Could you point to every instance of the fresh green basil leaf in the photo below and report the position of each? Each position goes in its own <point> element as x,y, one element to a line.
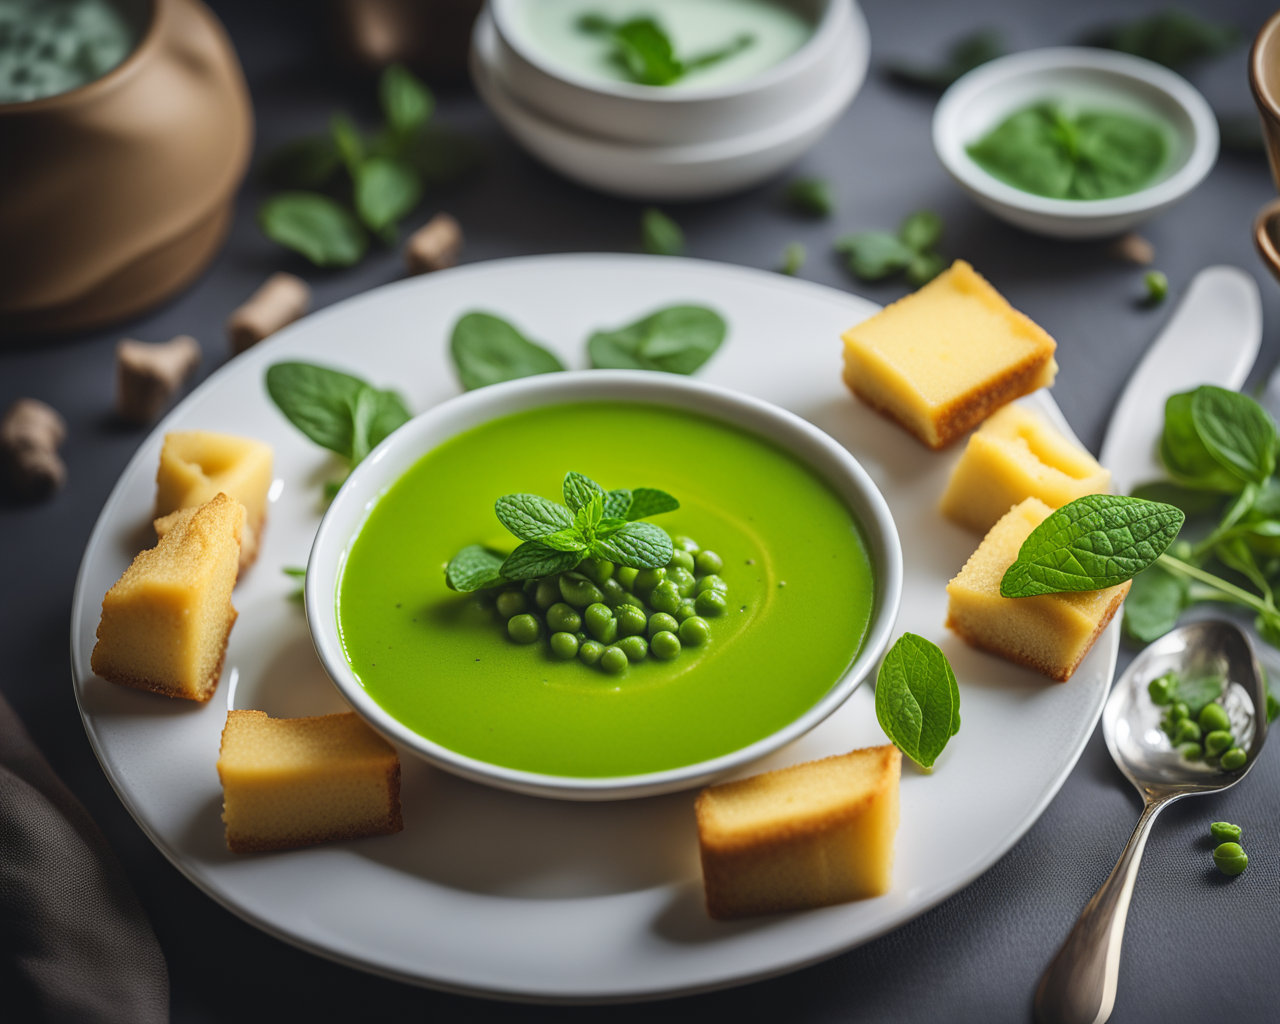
<point>965,55</point>
<point>1184,454</point>
<point>924,268</point>
<point>530,516</point>
<point>648,501</point>
<point>565,540</point>
<point>315,226</point>
<point>322,404</point>
<point>533,559</point>
<point>675,340</point>
<point>921,231</point>
<point>813,197</point>
<point>488,350</point>
<point>1154,603</point>
<point>1237,432</point>
<point>1094,542</point>
<point>918,699</point>
<point>639,545</point>
<point>306,163</point>
<point>386,190</point>
<point>349,142</point>
<point>793,257</point>
<point>1192,502</point>
<point>579,490</point>
<point>617,504</point>
<point>474,568</point>
<point>659,234</point>
<point>1173,38</point>
<point>875,254</point>
<point>406,102</point>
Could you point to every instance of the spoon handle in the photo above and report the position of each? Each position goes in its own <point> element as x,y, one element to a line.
<point>1080,985</point>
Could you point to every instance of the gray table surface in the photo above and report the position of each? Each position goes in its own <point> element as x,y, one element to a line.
<point>1195,939</point>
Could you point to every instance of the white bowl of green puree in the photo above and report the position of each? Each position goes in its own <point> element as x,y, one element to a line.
<point>1074,142</point>
<point>811,559</point>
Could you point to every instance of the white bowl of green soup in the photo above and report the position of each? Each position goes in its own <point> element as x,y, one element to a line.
<point>521,664</point>
<point>1074,142</point>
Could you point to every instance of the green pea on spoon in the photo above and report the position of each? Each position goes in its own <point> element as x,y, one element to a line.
<point>1080,985</point>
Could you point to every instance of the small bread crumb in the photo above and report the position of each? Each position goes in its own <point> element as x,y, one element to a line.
<point>282,299</point>
<point>434,246</point>
<point>147,376</point>
<point>1134,249</point>
<point>29,438</point>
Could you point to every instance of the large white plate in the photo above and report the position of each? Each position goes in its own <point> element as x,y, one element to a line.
<point>491,892</point>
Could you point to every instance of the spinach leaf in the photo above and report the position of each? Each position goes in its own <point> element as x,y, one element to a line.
<point>648,501</point>
<point>386,190</point>
<point>1175,38</point>
<point>659,234</point>
<point>314,225</point>
<point>334,409</point>
<point>488,350</point>
<point>1185,455</point>
<point>812,196</point>
<point>530,516</point>
<point>965,55</point>
<point>793,257</point>
<point>637,544</point>
<point>407,104</point>
<point>1094,542</point>
<point>677,340</point>
<point>1236,431</point>
<point>1154,603</point>
<point>918,699</point>
<point>474,568</point>
<point>533,559</point>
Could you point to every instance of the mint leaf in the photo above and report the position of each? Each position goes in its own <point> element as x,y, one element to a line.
<point>616,504</point>
<point>608,526</point>
<point>346,137</point>
<point>333,409</point>
<point>386,190</point>
<point>315,226</point>
<point>793,257</point>
<point>488,350</point>
<point>675,340</point>
<point>648,501</point>
<point>918,699</point>
<point>589,515</point>
<point>565,540</point>
<point>1155,601</point>
<point>579,490</point>
<point>530,516</point>
<point>406,102</point>
<point>645,51</point>
<point>875,254</point>
<point>921,231</point>
<point>639,545</point>
<point>1098,541</point>
<point>659,234</point>
<point>474,568</point>
<point>1236,431</point>
<point>811,196</point>
<point>533,559</point>
<point>1184,454</point>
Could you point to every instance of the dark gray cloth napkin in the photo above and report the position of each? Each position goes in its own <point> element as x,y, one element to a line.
<point>75,944</point>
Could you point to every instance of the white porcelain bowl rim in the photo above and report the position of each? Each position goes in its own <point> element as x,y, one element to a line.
<point>951,148</point>
<point>402,449</point>
<point>828,25</point>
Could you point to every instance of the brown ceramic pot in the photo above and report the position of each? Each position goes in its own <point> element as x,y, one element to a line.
<point>115,195</point>
<point>1264,80</point>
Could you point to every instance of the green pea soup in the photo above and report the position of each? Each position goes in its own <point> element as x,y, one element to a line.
<point>801,595</point>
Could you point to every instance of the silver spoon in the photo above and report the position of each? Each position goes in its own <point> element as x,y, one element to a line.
<point>1080,985</point>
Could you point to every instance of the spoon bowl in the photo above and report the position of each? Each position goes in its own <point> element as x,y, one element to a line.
<point>1079,986</point>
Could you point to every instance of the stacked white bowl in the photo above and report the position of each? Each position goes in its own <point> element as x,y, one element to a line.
<point>656,142</point>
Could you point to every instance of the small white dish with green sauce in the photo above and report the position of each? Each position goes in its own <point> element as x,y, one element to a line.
<point>1073,142</point>
<point>669,98</point>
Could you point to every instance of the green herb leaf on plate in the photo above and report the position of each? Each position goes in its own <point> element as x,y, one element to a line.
<point>793,257</point>
<point>488,350</point>
<point>579,490</point>
<point>645,51</point>
<point>874,255</point>
<point>637,544</point>
<point>406,102</point>
<point>1236,431</point>
<point>1094,542</point>
<point>676,340</point>
<point>300,574</point>
<point>659,234</point>
<point>1185,455</point>
<point>1192,501</point>
<point>314,225</point>
<point>918,699</point>
<point>386,190</point>
<point>533,559</point>
<point>328,406</point>
<point>306,163</point>
<point>474,568</point>
<point>1154,603</point>
<point>812,196</point>
<point>530,516</point>
<point>648,501</point>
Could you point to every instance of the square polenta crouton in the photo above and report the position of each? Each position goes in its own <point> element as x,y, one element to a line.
<point>943,359</point>
<point>806,836</point>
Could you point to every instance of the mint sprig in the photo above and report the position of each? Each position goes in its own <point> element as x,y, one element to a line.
<point>918,699</point>
<point>592,522</point>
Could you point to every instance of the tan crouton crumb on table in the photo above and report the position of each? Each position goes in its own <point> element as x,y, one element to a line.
<point>166,621</point>
<point>290,782</point>
<point>806,836</point>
